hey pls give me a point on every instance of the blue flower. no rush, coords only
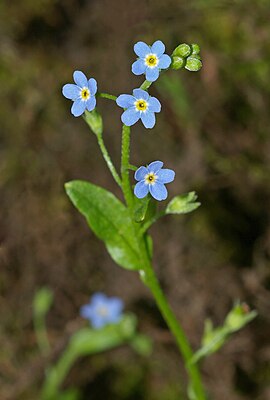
(83, 93)
(139, 106)
(151, 60)
(152, 179)
(102, 310)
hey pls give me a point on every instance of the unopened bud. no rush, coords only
(193, 63)
(94, 120)
(177, 62)
(195, 48)
(183, 50)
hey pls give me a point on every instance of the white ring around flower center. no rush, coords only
(151, 60)
(85, 93)
(102, 311)
(141, 105)
(150, 178)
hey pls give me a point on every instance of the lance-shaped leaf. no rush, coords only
(183, 204)
(109, 220)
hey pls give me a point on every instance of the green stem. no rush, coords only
(125, 166)
(108, 160)
(181, 339)
(146, 85)
(41, 334)
(150, 222)
(107, 96)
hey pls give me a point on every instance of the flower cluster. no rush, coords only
(102, 310)
(137, 106)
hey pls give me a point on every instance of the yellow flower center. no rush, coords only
(85, 93)
(151, 60)
(150, 178)
(102, 311)
(141, 105)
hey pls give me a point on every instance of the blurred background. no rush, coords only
(213, 131)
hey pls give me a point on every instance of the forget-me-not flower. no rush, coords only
(151, 60)
(140, 105)
(152, 178)
(102, 310)
(83, 93)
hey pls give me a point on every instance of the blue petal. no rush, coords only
(98, 322)
(138, 67)
(80, 79)
(164, 61)
(155, 166)
(140, 94)
(158, 191)
(140, 173)
(141, 49)
(166, 175)
(125, 100)
(91, 103)
(98, 298)
(152, 74)
(115, 306)
(130, 116)
(158, 48)
(148, 119)
(71, 91)
(154, 104)
(141, 190)
(87, 311)
(92, 84)
(78, 107)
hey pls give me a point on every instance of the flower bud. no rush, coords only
(195, 48)
(177, 62)
(183, 50)
(94, 120)
(193, 63)
(239, 316)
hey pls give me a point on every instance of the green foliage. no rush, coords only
(109, 219)
(183, 204)
(214, 338)
(84, 342)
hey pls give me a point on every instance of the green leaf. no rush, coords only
(89, 341)
(109, 220)
(214, 338)
(183, 204)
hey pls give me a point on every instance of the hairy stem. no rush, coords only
(182, 342)
(107, 96)
(108, 160)
(125, 166)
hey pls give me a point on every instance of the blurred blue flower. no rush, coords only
(82, 94)
(102, 310)
(152, 179)
(151, 60)
(139, 106)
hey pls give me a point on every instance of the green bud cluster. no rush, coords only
(187, 56)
